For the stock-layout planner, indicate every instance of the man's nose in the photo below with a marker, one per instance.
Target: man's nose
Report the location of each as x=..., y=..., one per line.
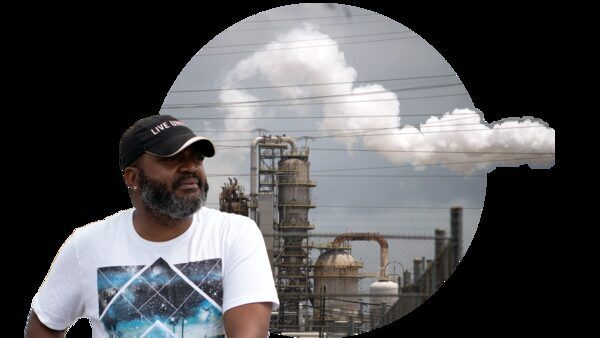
x=190, y=163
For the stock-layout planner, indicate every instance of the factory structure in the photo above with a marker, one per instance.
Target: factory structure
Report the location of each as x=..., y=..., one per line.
x=320, y=297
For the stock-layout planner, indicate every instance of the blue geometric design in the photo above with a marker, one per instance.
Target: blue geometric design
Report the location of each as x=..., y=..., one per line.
x=162, y=300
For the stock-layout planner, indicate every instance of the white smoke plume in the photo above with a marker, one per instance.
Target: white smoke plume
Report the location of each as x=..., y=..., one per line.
x=460, y=139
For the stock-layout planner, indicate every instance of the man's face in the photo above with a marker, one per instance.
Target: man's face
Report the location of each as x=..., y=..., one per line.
x=174, y=186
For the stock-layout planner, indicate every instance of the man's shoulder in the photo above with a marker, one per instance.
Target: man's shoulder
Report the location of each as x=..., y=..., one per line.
x=104, y=227
x=227, y=228
x=223, y=218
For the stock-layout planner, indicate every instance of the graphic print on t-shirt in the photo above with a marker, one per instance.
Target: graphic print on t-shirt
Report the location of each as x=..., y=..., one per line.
x=162, y=299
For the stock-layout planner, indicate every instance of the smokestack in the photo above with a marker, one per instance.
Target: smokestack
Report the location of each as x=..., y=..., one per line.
x=428, y=263
x=406, y=278
x=440, y=241
x=417, y=269
x=456, y=233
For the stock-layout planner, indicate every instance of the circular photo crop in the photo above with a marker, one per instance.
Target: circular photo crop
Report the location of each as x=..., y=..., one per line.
x=356, y=149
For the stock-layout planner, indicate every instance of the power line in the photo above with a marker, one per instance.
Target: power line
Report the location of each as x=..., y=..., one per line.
x=396, y=219
x=301, y=117
x=320, y=24
x=317, y=130
x=304, y=40
x=428, y=125
x=296, y=117
x=441, y=209
x=284, y=117
x=371, y=176
x=314, y=84
x=401, y=134
x=396, y=207
x=342, y=312
x=309, y=18
x=234, y=103
x=413, y=151
x=403, y=176
x=382, y=221
x=437, y=151
x=304, y=47
x=400, y=166
x=352, y=301
x=430, y=132
x=403, y=166
x=423, y=165
x=332, y=312
x=323, y=103
x=320, y=130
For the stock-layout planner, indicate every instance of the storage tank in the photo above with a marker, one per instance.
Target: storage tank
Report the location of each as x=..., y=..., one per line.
x=385, y=294
x=336, y=274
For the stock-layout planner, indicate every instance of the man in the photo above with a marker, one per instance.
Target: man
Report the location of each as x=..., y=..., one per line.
x=167, y=267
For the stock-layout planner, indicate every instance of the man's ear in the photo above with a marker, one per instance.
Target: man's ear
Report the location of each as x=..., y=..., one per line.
x=131, y=176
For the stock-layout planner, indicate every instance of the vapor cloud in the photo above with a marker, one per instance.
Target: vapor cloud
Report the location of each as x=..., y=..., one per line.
x=460, y=137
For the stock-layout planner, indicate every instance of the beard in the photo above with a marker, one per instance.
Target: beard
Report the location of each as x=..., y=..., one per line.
x=157, y=197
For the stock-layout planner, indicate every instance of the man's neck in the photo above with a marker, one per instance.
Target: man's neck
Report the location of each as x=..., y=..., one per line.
x=158, y=227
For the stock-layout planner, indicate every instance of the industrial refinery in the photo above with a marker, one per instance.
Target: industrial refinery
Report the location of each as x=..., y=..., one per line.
x=316, y=276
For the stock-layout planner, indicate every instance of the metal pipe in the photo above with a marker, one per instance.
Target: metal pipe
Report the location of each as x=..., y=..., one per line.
x=253, y=166
x=367, y=236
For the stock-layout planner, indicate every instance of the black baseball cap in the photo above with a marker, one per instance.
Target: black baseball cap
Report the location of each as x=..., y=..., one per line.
x=159, y=135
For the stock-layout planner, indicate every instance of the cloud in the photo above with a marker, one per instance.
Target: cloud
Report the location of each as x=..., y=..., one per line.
x=460, y=139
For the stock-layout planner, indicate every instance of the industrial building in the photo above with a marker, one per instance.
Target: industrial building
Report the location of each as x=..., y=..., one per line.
x=321, y=296
x=232, y=198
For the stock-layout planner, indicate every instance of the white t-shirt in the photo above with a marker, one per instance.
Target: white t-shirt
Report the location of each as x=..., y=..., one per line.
x=130, y=287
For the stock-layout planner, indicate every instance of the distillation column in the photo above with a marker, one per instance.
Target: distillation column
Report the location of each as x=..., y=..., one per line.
x=294, y=202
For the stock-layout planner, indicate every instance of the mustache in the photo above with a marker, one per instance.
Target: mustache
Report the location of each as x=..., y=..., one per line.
x=202, y=184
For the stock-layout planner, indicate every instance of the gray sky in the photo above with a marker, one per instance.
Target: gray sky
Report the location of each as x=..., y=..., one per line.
x=403, y=91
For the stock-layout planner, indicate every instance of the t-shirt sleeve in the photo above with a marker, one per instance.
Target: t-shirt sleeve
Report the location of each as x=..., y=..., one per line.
x=59, y=303
x=247, y=271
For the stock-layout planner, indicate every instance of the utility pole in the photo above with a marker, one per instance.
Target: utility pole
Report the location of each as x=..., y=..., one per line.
x=382, y=313
x=361, y=316
x=351, y=326
x=322, y=312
